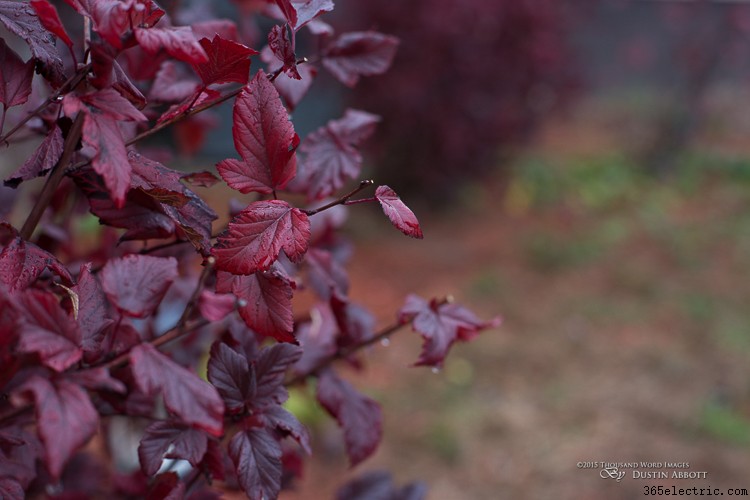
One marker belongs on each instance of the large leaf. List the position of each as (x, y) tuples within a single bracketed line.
[(48, 331), (331, 154), (361, 53), (228, 61), (192, 399), (399, 214), (265, 139), (257, 459), (20, 19), (257, 235), (359, 416), (65, 417), (137, 283), (172, 439), (15, 77), (441, 324)]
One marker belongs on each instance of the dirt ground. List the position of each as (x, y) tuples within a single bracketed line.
[(626, 338)]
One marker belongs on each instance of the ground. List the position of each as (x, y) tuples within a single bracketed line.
[(625, 337)]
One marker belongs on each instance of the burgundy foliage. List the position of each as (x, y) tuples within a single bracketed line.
[(113, 323)]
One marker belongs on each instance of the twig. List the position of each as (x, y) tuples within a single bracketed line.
[(344, 199), (58, 171)]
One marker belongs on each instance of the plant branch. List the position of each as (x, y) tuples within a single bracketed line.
[(345, 352), (343, 200), (54, 178), (69, 84)]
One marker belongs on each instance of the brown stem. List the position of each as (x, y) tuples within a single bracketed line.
[(343, 199), (54, 178), (346, 352)]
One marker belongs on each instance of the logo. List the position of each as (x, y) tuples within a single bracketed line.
[(612, 473)]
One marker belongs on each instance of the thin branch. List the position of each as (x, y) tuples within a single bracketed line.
[(343, 200), (54, 178), (344, 353), (70, 84)]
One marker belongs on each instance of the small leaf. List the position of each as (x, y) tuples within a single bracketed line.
[(93, 315), (399, 214), (282, 48), (195, 401), (215, 306), (114, 105), (178, 439), (21, 263), (257, 459), (15, 77), (41, 160), (362, 53), (102, 134), (359, 416), (441, 324), (265, 139), (66, 418), (49, 18), (228, 61), (229, 372), (257, 235), (137, 283), (178, 41)]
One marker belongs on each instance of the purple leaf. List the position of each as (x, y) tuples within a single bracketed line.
[(283, 49), (257, 459), (359, 416), (441, 324), (49, 18), (66, 418), (228, 61), (48, 331), (110, 102), (15, 77), (185, 442), (41, 160), (399, 214), (271, 365), (310, 9), (21, 263), (257, 235), (362, 53), (325, 273), (265, 139), (276, 416), (102, 134), (20, 19), (137, 283), (331, 154), (229, 372), (317, 338), (195, 401), (93, 315), (215, 306), (11, 489), (178, 41)]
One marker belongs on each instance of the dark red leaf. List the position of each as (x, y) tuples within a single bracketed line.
[(256, 235), (15, 77), (157, 180), (359, 416), (200, 98), (294, 90), (167, 486), (48, 330), (20, 19), (228, 61), (360, 53), (356, 324), (11, 489), (110, 18), (179, 440), (113, 104), (399, 214), (102, 134), (283, 49), (195, 401), (288, 10), (230, 373), (49, 18), (136, 283), (215, 306), (257, 459), (276, 416), (266, 303), (317, 338), (97, 379), (172, 83), (20, 452), (42, 160), (21, 263), (65, 417), (331, 156), (265, 139), (93, 315), (325, 273), (441, 324), (178, 41)]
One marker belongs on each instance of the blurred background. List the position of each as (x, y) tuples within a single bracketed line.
[(583, 169)]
